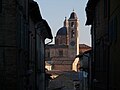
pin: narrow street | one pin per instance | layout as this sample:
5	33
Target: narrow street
28	62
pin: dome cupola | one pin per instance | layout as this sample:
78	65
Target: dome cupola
62	31
61	36
73	15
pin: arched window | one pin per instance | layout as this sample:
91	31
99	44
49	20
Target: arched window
60	53
72	33
72	24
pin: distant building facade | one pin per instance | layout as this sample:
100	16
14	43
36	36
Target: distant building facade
61	55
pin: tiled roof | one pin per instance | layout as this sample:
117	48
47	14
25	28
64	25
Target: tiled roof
84	46
73	15
62	31
66	46
62	62
72	75
56	46
55	72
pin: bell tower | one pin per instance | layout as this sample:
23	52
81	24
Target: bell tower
73	35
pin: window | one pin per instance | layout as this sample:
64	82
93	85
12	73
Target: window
72	33
72	24
48	54
0	6
60	53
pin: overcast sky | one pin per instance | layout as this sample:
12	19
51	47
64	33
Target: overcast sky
55	11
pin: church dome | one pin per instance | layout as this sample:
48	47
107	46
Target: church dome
73	15
62	31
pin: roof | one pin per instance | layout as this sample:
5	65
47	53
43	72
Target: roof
65	46
69	74
58	61
34	11
84	46
88	51
56	46
49	33
90	11
55	72
61	83
47	64
36	17
62	62
72	75
62	31
73	15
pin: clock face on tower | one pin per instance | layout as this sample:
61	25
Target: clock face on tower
72	43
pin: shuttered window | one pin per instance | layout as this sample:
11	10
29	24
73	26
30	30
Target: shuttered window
60	53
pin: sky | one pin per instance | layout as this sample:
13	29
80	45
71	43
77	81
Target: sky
55	11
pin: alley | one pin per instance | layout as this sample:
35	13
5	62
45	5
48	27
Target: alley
28	62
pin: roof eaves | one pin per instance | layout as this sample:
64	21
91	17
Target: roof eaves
90	9
34	11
